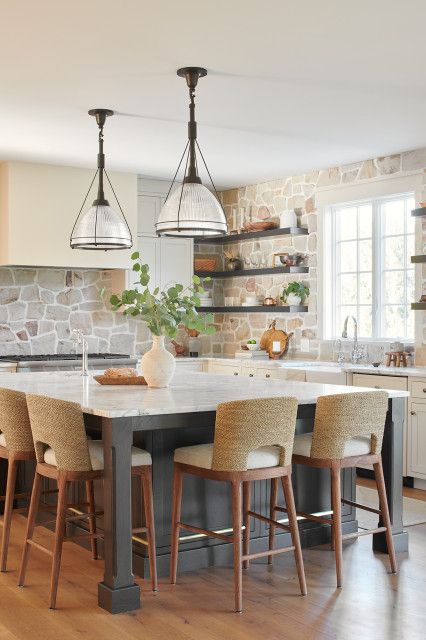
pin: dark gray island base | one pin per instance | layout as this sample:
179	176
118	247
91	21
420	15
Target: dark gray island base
207	503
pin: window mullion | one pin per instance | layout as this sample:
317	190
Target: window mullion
376	246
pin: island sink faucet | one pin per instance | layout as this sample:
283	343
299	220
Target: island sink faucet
356	354
81	340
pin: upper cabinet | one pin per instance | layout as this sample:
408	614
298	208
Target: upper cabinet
38	207
151	197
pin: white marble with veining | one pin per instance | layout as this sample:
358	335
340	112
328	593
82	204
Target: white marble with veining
188	392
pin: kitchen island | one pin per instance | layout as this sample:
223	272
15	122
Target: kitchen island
161	420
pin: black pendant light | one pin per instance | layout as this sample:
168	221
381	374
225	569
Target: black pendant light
192	210
101	227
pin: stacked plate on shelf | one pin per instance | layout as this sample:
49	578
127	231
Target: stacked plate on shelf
205	299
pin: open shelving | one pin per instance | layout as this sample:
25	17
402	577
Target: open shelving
253	235
418	213
300	308
251	272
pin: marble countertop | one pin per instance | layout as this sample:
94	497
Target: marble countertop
188	392
314	365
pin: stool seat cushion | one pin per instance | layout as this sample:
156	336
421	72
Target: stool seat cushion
355	447
2	440
139	456
201	455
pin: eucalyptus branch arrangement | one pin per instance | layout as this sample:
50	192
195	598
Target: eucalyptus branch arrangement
163	311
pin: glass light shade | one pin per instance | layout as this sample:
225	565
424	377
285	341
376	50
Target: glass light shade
191	210
101	228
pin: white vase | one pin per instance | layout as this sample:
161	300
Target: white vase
158	365
288	219
292	299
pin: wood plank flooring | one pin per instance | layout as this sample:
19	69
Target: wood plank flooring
372	604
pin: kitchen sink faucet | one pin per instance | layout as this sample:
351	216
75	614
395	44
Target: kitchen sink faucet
356	354
81	340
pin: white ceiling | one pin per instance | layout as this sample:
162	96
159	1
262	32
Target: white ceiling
292	85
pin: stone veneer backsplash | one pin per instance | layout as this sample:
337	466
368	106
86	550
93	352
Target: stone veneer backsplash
267	200
39	308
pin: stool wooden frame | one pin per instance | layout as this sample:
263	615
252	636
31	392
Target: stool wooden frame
369	406
69	417
240	538
242	427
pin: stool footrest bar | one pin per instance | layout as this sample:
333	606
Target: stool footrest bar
358	534
253	514
361	506
263	554
206	532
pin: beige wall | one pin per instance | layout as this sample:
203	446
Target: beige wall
40	209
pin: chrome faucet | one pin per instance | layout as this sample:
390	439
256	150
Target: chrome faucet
81	340
356	354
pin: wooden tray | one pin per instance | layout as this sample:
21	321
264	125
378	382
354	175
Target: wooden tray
136	380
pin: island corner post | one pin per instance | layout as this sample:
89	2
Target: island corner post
161	434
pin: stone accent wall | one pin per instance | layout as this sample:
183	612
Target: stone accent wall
39	308
270	199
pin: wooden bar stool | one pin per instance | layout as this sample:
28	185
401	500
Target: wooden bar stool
64	454
348	432
16	444
253	441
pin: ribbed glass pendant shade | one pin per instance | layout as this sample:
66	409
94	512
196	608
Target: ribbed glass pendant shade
101	228
191	210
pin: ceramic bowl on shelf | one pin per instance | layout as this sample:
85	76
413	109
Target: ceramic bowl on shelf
253	347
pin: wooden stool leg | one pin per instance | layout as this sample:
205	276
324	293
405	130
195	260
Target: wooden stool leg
383	501
272	506
246	519
31	521
294	530
176	510
150	526
92	519
59	538
236	525
332	526
337	521
8	509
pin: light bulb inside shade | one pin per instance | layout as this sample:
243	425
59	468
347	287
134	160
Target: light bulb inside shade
101	228
191	210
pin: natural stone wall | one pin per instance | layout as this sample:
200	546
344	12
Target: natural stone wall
39	308
269	200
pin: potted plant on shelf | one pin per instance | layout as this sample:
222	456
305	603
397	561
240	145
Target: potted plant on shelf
295	293
163	311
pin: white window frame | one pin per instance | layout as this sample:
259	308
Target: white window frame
377	270
367	190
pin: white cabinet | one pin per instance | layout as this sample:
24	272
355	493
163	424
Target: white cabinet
398	383
417	440
176	261
149	207
170	260
225	368
194	365
326	377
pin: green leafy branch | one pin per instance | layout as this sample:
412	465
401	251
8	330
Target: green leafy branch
163	311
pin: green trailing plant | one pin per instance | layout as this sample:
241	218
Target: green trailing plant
163	311
298	289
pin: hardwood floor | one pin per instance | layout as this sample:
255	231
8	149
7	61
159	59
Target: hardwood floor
373	604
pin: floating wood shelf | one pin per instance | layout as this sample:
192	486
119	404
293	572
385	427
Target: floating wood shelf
301	308
418	306
251	272
418	213
253	235
417	259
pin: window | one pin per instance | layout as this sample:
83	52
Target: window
368	246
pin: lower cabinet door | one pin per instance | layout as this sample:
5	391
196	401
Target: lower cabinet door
417	441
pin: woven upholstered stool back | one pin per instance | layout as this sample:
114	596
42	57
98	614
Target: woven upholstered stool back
342	417
14	421
59	424
243	426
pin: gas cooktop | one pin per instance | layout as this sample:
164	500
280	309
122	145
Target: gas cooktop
62	356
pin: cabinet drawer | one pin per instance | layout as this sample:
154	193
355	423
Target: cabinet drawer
380	382
418	390
417	441
227	369
250	372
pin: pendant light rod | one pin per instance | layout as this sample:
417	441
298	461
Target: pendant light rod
101	115
192	75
